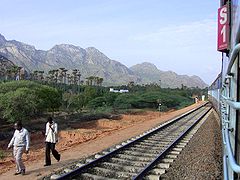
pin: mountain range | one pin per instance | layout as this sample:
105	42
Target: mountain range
92	62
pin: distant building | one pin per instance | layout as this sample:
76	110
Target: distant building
123	91
113	90
118	91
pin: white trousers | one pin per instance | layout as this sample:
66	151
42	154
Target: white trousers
17	153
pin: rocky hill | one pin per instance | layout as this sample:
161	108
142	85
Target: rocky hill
5	64
90	62
150	73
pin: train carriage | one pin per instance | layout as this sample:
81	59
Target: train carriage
214	92
224	93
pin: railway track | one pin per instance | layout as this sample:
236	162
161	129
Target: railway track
144	157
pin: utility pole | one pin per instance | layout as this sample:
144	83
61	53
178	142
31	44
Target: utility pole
159	108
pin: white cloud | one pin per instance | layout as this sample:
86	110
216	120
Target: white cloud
181	35
189	48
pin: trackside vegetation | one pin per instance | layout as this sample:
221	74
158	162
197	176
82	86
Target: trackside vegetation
23	100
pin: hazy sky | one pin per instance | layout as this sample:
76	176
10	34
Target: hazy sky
174	35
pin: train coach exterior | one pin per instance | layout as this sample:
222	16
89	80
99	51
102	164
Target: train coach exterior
229	93
214	93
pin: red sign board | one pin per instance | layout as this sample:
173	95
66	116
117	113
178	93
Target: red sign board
223	28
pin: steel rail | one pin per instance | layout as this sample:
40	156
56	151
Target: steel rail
160	156
108	155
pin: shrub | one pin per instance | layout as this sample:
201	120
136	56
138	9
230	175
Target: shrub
150	100
73	102
110	97
97	102
90	93
124	101
20	100
50	98
14	85
18	105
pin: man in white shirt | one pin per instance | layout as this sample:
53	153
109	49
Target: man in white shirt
20	142
51	139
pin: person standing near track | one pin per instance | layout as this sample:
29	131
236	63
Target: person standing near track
20	142
51	140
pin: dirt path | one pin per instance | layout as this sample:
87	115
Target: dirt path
94	137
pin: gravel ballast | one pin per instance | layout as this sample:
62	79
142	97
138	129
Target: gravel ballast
201	159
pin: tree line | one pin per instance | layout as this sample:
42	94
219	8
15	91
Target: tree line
26	99
55	76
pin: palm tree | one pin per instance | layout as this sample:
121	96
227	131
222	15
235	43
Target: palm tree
68	78
22	73
7	68
51	76
78	84
91	79
3	67
19	73
71	80
87	81
31	76
55	73
65	75
48	79
14	71
40	73
60	77
2	73
74	74
75	79
100	81
95	80
131	84
2	70
79	76
35	75
8	74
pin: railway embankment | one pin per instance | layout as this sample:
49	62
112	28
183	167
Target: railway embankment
206	150
202	158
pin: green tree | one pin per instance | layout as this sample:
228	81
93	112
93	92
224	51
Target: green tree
90	93
46	97
97	102
110	97
18	105
50	98
73	102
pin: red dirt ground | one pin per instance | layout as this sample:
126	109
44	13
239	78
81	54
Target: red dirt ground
90	138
